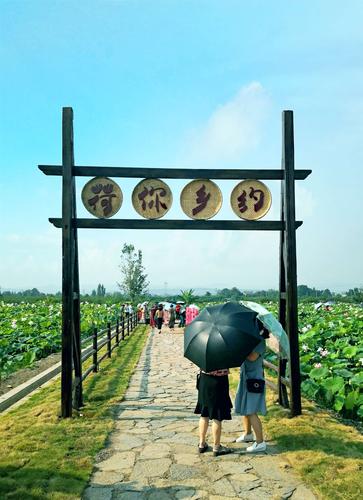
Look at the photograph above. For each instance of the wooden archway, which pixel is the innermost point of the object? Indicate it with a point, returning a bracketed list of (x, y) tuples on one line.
[(71, 385)]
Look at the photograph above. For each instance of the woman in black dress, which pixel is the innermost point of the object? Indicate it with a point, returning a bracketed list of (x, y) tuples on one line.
[(213, 403)]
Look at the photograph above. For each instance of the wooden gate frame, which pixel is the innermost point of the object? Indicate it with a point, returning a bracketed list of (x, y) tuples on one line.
[(69, 223)]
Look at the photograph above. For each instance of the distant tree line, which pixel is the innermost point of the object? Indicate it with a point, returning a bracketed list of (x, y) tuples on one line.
[(134, 285), (99, 294)]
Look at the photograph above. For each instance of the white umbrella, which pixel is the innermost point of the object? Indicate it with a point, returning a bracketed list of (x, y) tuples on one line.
[(166, 305), (279, 342)]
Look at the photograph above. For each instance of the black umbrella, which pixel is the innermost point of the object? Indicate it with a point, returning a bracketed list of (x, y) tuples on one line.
[(221, 336)]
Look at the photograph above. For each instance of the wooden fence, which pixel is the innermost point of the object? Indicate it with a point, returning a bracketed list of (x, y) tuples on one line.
[(282, 383), (111, 336)]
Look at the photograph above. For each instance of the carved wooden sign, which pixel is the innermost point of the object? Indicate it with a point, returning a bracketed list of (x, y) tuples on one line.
[(152, 198), (200, 199), (102, 197), (251, 199)]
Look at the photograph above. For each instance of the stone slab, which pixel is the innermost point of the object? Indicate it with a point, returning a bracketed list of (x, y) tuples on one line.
[(150, 468), (117, 462)]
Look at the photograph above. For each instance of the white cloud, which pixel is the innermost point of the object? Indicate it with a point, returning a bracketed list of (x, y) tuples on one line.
[(234, 127)]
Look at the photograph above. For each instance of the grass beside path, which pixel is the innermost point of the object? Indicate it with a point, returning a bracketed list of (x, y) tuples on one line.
[(45, 457), (327, 454)]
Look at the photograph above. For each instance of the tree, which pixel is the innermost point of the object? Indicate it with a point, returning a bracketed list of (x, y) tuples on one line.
[(101, 290), (187, 296), (236, 294), (134, 282), (225, 292)]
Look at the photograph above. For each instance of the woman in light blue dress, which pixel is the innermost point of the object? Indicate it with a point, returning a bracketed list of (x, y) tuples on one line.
[(249, 404)]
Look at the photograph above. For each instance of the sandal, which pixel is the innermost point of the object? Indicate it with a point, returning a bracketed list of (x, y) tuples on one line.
[(203, 449)]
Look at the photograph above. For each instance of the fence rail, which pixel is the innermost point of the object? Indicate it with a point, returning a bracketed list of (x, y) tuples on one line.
[(118, 331), (283, 383), (271, 366)]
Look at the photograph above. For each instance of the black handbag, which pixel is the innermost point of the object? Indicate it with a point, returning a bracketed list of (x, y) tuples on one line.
[(255, 385)]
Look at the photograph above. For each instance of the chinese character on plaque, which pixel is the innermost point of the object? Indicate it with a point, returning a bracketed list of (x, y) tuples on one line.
[(102, 197), (152, 198), (251, 199), (201, 199)]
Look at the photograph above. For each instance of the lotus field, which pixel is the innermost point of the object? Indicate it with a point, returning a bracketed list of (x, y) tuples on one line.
[(331, 356), (30, 331), (331, 345)]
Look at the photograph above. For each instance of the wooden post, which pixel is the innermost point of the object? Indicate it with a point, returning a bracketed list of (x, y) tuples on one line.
[(68, 249), (95, 352), (283, 396), (117, 331), (290, 259), (77, 349), (123, 329), (77, 361), (109, 340)]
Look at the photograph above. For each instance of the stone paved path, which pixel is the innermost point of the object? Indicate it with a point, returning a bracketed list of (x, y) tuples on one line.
[(152, 454)]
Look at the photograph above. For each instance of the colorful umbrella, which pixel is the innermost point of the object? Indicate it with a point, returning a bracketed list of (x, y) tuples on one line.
[(279, 342)]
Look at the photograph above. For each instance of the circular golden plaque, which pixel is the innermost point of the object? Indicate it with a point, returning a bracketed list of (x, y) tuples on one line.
[(201, 199), (152, 198), (102, 197), (251, 199)]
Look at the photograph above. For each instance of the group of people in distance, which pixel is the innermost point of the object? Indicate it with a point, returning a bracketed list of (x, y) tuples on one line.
[(214, 402), (158, 316)]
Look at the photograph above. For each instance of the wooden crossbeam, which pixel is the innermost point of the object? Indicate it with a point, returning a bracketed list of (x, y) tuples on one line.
[(174, 173), (225, 225)]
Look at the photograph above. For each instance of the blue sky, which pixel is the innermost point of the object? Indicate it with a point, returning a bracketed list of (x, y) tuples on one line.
[(183, 84)]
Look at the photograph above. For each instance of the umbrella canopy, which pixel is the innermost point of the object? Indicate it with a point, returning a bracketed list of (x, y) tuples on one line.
[(221, 336), (279, 343), (166, 305)]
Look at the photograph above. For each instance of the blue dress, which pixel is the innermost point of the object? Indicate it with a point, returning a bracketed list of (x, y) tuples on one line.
[(248, 403)]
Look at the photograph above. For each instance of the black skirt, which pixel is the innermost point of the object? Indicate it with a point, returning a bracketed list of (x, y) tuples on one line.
[(213, 397)]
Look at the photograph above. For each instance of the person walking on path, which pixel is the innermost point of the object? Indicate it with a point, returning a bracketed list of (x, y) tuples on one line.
[(139, 313), (171, 318), (129, 310), (152, 316), (213, 403), (182, 318), (251, 397), (177, 311), (159, 317)]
